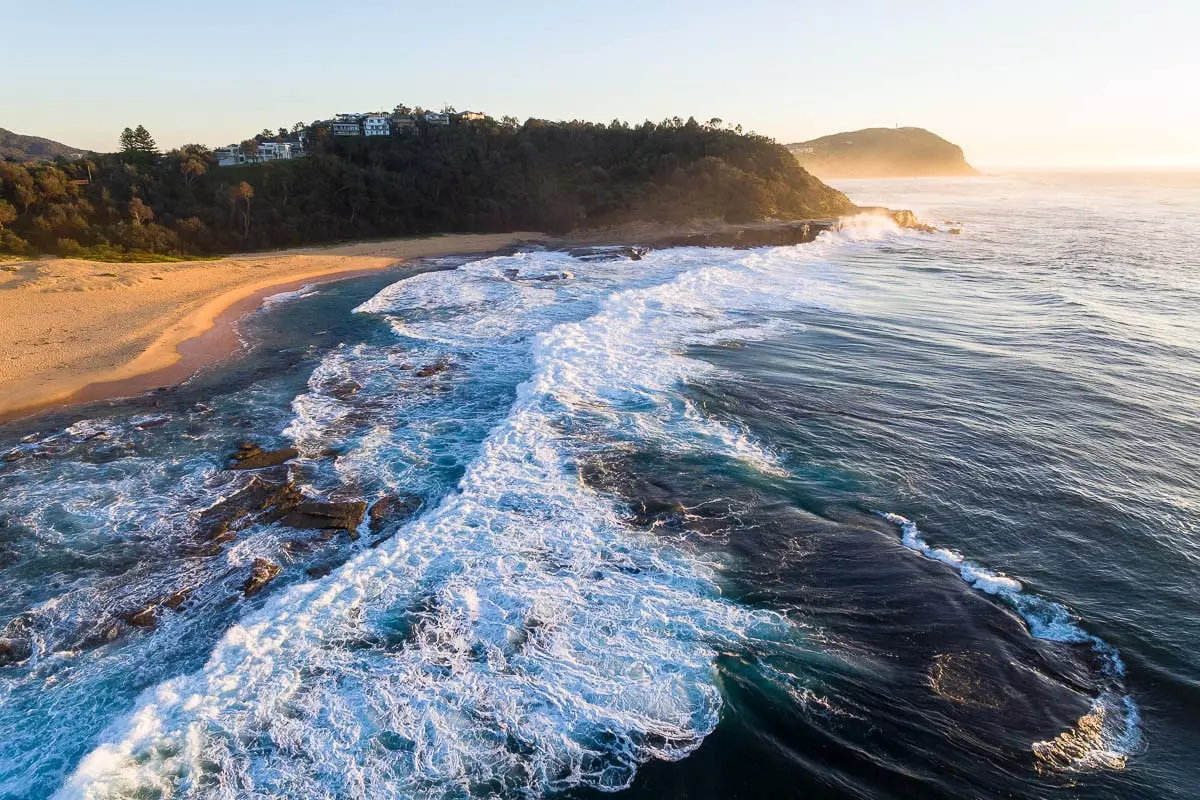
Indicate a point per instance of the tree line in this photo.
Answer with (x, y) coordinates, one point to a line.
(489, 176)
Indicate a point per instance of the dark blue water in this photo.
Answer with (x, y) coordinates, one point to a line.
(889, 515)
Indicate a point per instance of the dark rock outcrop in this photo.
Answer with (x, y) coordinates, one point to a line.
(250, 455)
(14, 650)
(314, 515)
(262, 572)
(779, 234)
(393, 508)
(436, 368)
(264, 499)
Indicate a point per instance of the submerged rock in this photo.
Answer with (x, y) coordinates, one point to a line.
(13, 651)
(148, 617)
(262, 572)
(393, 508)
(327, 516)
(250, 455)
(435, 368)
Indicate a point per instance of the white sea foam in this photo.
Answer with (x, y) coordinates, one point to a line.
(517, 638)
(1111, 731)
(271, 301)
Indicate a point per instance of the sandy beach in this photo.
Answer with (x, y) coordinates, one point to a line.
(73, 330)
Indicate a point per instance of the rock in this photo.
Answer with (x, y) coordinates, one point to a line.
(262, 499)
(262, 572)
(554, 276)
(954, 231)
(346, 390)
(178, 599)
(393, 508)
(250, 456)
(327, 516)
(99, 637)
(13, 651)
(146, 618)
(907, 219)
(433, 369)
(318, 571)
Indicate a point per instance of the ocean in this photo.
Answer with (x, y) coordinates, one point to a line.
(887, 515)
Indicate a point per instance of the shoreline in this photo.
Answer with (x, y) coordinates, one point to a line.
(143, 331)
(161, 334)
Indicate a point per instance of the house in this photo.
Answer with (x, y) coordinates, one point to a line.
(437, 120)
(347, 125)
(229, 156)
(472, 116)
(279, 151)
(404, 123)
(233, 155)
(377, 125)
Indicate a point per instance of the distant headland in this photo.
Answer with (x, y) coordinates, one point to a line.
(882, 153)
(20, 148)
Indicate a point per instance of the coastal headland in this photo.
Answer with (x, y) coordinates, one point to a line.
(74, 330)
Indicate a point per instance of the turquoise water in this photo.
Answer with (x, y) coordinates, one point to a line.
(886, 515)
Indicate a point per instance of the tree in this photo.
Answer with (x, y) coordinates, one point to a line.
(7, 213)
(143, 141)
(192, 166)
(139, 212)
(299, 127)
(240, 199)
(127, 141)
(250, 149)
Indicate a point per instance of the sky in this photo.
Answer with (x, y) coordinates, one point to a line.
(1017, 84)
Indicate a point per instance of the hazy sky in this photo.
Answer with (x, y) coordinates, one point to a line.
(1015, 83)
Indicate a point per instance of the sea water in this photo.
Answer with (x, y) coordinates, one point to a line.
(891, 514)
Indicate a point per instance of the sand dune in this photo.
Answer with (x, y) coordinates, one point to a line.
(81, 330)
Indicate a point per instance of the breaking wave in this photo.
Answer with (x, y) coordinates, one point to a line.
(518, 637)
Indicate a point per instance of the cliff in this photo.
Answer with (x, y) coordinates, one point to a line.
(882, 153)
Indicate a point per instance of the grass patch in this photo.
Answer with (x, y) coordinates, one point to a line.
(113, 256)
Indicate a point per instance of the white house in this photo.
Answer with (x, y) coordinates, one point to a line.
(229, 156)
(279, 151)
(437, 120)
(267, 151)
(472, 116)
(377, 125)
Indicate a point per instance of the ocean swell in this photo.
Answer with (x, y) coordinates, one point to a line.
(518, 637)
(1110, 732)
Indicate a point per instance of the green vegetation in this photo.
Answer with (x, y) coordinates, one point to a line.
(486, 176)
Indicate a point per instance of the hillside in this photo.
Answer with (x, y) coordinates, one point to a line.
(20, 148)
(882, 153)
(480, 178)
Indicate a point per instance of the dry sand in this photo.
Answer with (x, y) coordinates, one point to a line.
(74, 330)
